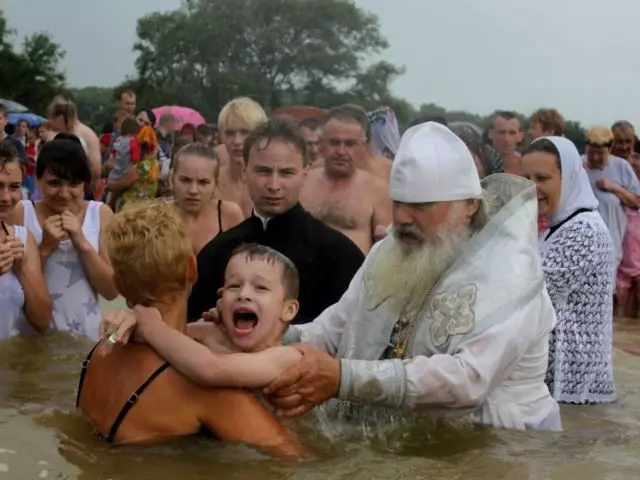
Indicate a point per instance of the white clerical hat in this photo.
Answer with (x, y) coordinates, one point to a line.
(433, 165)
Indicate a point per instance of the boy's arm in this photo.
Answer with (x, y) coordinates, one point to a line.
(197, 362)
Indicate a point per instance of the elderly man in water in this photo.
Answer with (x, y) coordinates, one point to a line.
(448, 311)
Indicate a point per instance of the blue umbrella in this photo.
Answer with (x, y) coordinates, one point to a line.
(33, 119)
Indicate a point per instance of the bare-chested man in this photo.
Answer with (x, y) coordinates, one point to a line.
(506, 134)
(237, 118)
(63, 116)
(347, 198)
(312, 130)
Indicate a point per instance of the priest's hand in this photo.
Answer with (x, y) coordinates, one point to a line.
(313, 381)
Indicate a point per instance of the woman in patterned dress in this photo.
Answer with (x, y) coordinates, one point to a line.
(140, 182)
(579, 266)
(69, 232)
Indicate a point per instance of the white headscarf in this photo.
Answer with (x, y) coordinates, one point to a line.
(384, 131)
(576, 192)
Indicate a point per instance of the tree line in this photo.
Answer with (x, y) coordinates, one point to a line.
(281, 52)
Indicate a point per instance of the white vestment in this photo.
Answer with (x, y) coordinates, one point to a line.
(481, 342)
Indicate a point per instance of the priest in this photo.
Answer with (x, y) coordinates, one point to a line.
(448, 311)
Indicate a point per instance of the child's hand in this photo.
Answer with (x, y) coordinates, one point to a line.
(213, 314)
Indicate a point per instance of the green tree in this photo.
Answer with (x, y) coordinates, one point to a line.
(278, 52)
(31, 76)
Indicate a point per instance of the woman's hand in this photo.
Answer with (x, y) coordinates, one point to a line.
(18, 250)
(52, 234)
(6, 258)
(71, 225)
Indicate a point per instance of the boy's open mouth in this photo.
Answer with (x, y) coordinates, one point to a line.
(245, 320)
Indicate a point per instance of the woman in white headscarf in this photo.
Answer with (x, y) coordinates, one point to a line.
(385, 137)
(579, 266)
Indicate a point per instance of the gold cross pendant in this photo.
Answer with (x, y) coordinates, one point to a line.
(399, 351)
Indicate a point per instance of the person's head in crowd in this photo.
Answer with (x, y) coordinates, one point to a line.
(22, 127)
(152, 257)
(345, 138)
(428, 118)
(311, 129)
(276, 164)
(237, 118)
(554, 165)
(204, 133)
(385, 136)
(598, 149)
(624, 139)
(63, 114)
(167, 124)
(126, 102)
(129, 127)
(11, 174)
(45, 132)
(146, 118)
(259, 297)
(194, 176)
(438, 205)
(506, 132)
(188, 132)
(546, 122)
(62, 171)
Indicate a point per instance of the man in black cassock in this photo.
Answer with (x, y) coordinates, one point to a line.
(276, 163)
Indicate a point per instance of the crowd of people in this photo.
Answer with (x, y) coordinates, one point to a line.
(327, 261)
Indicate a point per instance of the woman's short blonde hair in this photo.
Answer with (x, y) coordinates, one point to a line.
(242, 110)
(599, 136)
(149, 251)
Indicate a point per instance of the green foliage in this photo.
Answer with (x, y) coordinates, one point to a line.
(31, 76)
(277, 52)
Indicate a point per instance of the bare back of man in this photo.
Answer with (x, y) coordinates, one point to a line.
(357, 205)
(172, 406)
(232, 188)
(378, 166)
(93, 148)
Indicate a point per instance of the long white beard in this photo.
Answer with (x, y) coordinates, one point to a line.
(404, 277)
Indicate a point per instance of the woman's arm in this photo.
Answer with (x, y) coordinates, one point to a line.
(96, 264)
(237, 416)
(129, 178)
(37, 302)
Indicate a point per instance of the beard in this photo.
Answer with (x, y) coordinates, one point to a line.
(403, 276)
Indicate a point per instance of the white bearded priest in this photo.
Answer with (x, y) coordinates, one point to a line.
(450, 310)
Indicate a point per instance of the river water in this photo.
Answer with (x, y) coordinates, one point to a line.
(41, 435)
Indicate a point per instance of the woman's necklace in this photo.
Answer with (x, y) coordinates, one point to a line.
(5, 229)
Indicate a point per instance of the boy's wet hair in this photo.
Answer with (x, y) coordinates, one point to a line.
(290, 277)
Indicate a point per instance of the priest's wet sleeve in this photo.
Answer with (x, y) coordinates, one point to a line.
(462, 380)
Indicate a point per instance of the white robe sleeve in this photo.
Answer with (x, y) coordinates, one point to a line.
(461, 380)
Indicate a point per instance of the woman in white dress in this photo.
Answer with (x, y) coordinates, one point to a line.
(25, 305)
(70, 238)
(579, 266)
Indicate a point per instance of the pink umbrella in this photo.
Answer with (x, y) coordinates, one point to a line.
(183, 115)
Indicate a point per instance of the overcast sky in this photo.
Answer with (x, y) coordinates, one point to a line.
(580, 56)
